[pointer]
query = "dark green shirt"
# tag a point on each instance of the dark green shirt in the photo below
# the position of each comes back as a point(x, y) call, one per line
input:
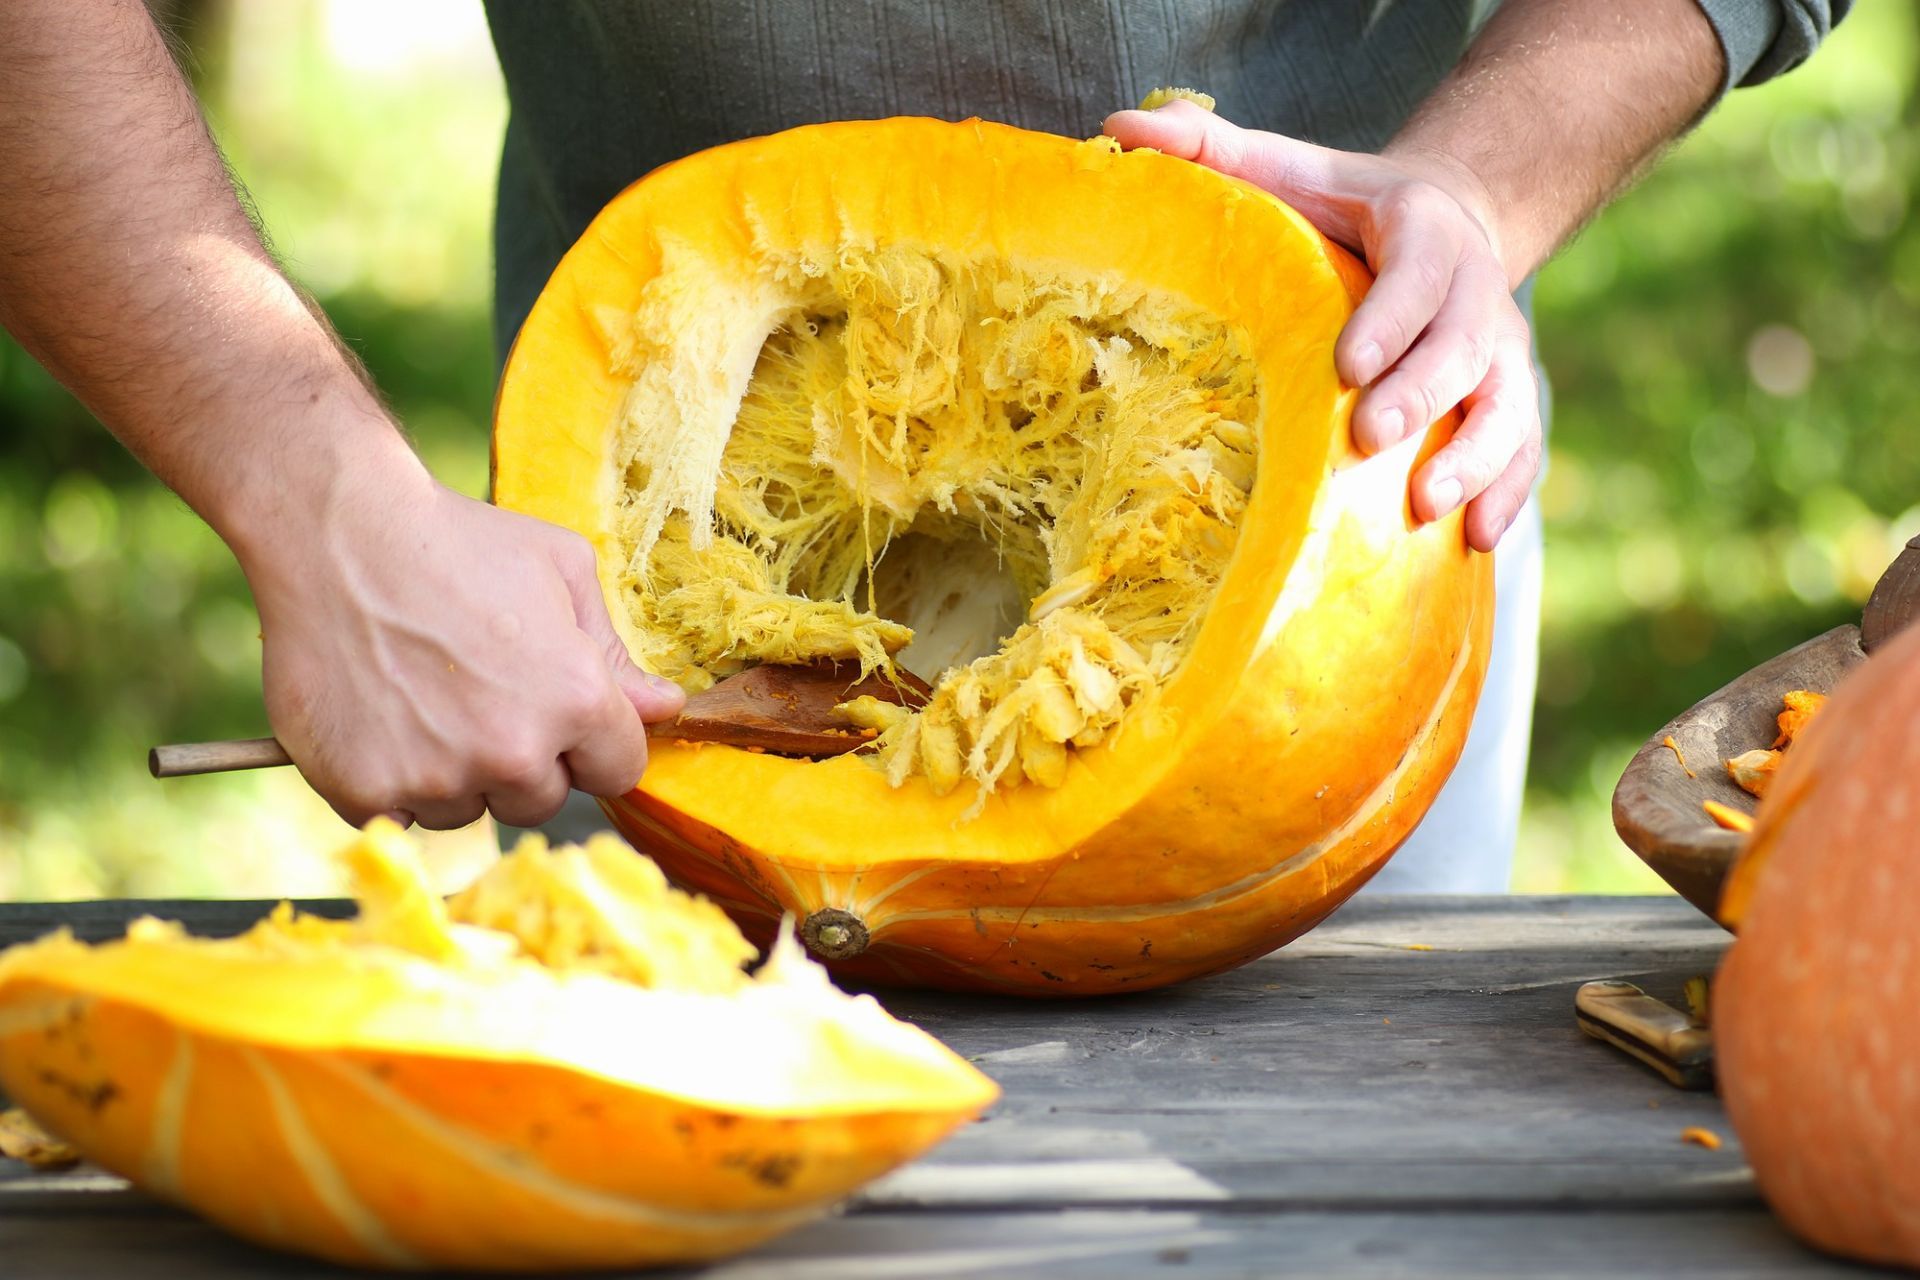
point(602, 91)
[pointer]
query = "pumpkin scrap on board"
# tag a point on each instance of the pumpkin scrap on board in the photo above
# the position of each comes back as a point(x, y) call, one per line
point(1058, 429)
point(1752, 771)
point(565, 1067)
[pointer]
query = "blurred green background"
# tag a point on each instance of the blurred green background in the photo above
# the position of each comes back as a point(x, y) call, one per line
point(1734, 347)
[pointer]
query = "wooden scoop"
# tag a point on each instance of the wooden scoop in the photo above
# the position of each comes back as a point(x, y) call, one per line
point(781, 710)
point(1658, 806)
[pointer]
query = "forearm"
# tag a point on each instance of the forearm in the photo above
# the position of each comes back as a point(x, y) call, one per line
point(423, 654)
point(128, 267)
point(1558, 105)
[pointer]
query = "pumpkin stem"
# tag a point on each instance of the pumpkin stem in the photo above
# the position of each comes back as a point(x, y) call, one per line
point(833, 934)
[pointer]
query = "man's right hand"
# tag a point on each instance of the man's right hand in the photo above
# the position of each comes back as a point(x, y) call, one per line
point(427, 656)
point(430, 657)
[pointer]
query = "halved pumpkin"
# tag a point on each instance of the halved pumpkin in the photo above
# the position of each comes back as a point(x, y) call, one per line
point(1058, 430)
point(565, 1068)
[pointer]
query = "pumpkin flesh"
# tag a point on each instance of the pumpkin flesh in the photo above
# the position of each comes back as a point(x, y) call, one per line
point(1226, 672)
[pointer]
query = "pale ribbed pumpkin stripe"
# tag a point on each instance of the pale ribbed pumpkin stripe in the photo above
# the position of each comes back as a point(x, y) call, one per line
point(323, 1176)
point(1364, 813)
point(162, 1172)
point(793, 887)
point(586, 1202)
point(865, 909)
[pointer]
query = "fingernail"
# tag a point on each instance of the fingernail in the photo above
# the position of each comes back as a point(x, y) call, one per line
point(1495, 528)
point(1445, 495)
point(1367, 361)
point(665, 689)
point(1389, 428)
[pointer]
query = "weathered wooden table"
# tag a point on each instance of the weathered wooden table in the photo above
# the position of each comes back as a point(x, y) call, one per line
point(1354, 1105)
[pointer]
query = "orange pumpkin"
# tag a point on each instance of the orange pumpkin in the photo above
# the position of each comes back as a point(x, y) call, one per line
point(1057, 429)
point(1813, 1007)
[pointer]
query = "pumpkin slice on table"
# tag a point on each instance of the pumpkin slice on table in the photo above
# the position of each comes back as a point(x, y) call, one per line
point(566, 1067)
point(1058, 429)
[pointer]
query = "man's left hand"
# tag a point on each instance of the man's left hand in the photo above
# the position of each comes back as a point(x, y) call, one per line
point(1439, 327)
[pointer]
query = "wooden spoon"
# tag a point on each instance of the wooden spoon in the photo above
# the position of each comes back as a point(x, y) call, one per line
point(1658, 804)
point(785, 710)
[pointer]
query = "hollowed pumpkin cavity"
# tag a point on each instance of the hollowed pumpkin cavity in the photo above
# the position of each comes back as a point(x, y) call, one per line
point(1020, 481)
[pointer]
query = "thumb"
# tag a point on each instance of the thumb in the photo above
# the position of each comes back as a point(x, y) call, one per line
point(653, 697)
point(1298, 172)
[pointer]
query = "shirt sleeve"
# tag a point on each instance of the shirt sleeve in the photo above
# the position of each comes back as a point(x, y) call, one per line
point(1765, 38)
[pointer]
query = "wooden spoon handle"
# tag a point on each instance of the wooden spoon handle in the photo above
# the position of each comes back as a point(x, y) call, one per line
point(786, 710)
point(186, 759)
point(183, 759)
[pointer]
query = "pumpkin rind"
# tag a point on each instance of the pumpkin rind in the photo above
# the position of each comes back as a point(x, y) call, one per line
point(1813, 1006)
point(1325, 697)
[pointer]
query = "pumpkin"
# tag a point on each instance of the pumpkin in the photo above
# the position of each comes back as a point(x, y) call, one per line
point(564, 1068)
point(1813, 1006)
point(1057, 429)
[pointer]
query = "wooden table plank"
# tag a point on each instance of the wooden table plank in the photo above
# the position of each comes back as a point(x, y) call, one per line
point(1063, 1244)
point(1350, 1105)
point(98, 920)
point(1348, 1070)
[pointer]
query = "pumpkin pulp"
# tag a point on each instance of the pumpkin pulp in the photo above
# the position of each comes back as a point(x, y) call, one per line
point(1022, 483)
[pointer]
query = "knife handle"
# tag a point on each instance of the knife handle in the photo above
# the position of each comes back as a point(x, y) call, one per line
point(1651, 1030)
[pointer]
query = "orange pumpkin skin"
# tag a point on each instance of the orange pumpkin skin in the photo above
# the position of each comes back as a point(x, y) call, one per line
point(423, 1160)
point(1325, 699)
point(1813, 1007)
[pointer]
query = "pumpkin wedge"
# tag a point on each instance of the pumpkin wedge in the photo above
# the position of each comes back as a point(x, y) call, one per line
point(1057, 429)
point(564, 1068)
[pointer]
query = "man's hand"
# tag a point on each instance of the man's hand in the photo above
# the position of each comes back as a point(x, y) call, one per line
point(1438, 328)
point(431, 657)
point(426, 655)
point(1558, 104)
